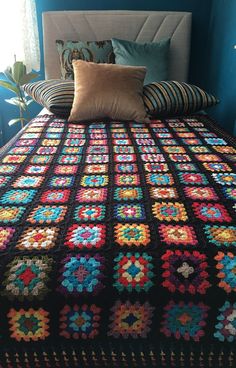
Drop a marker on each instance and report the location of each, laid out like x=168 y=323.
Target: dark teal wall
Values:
x=221 y=65
x=200 y=42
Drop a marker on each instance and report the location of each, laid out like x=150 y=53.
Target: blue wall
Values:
x=222 y=61
x=200 y=41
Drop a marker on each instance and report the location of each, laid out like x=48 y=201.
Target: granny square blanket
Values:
x=118 y=232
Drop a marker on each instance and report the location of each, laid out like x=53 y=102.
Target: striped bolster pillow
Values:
x=55 y=94
x=160 y=98
x=175 y=98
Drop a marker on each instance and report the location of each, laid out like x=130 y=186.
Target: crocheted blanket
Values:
x=118 y=232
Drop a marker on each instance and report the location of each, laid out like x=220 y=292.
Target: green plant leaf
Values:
x=18 y=71
x=27 y=78
x=14 y=121
x=8 y=74
x=13 y=101
x=17 y=102
x=9 y=86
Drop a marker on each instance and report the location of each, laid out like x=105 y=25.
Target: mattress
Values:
x=118 y=237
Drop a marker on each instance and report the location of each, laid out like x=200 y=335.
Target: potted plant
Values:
x=14 y=78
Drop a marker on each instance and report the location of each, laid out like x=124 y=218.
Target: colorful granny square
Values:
x=28 y=182
x=185 y=271
x=163 y=193
x=81 y=274
x=47 y=214
x=80 y=321
x=230 y=193
x=199 y=149
x=86 y=236
x=208 y=158
x=225 y=149
x=125 y=158
x=219 y=166
x=28 y=325
x=36 y=238
x=169 y=211
x=193 y=178
x=179 y=157
x=221 y=235
x=97 y=159
x=97 y=142
x=94 y=181
x=201 y=193
x=225 y=328
x=148 y=149
x=74 y=142
x=213 y=212
x=21 y=150
x=27 y=278
x=26 y=142
x=96 y=169
x=126 y=211
x=133 y=272
x=33 y=169
x=126 y=168
x=186 y=167
x=69 y=159
x=155 y=167
x=132 y=234
x=38 y=159
x=184 y=320
x=6 y=234
x=46 y=150
x=4 y=180
x=160 y=179
x=50 y=142
x=29 y=136
x=149 y=157
x=18 y=196
x=215 y=141
x=130 y=320
x=55 y=196
x=168 y=141
x=72 y=150
x=226 y=266
x=175 y=149
x=91 y=195
x=11 y=214
x=127 y=179
x=128 y=194
x=61 y=181
x=224 y=178
x=53 y=135
x=8 y=169
x=124 y=150
x=122 y=142
x=14 y=159
x=66 y=169
x=97 y=149
x=176 y=234
x=90 y=212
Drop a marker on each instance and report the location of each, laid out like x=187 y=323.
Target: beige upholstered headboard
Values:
x=140 y=26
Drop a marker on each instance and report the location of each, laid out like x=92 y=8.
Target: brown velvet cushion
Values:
x=108 y=91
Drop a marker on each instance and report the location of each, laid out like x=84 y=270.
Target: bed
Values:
x=118 y=240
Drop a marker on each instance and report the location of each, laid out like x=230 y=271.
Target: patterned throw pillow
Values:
x=95 y=51
x=175 y=98
x=55 y=94
x=160 y=98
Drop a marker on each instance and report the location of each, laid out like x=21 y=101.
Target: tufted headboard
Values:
x=140 y=26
